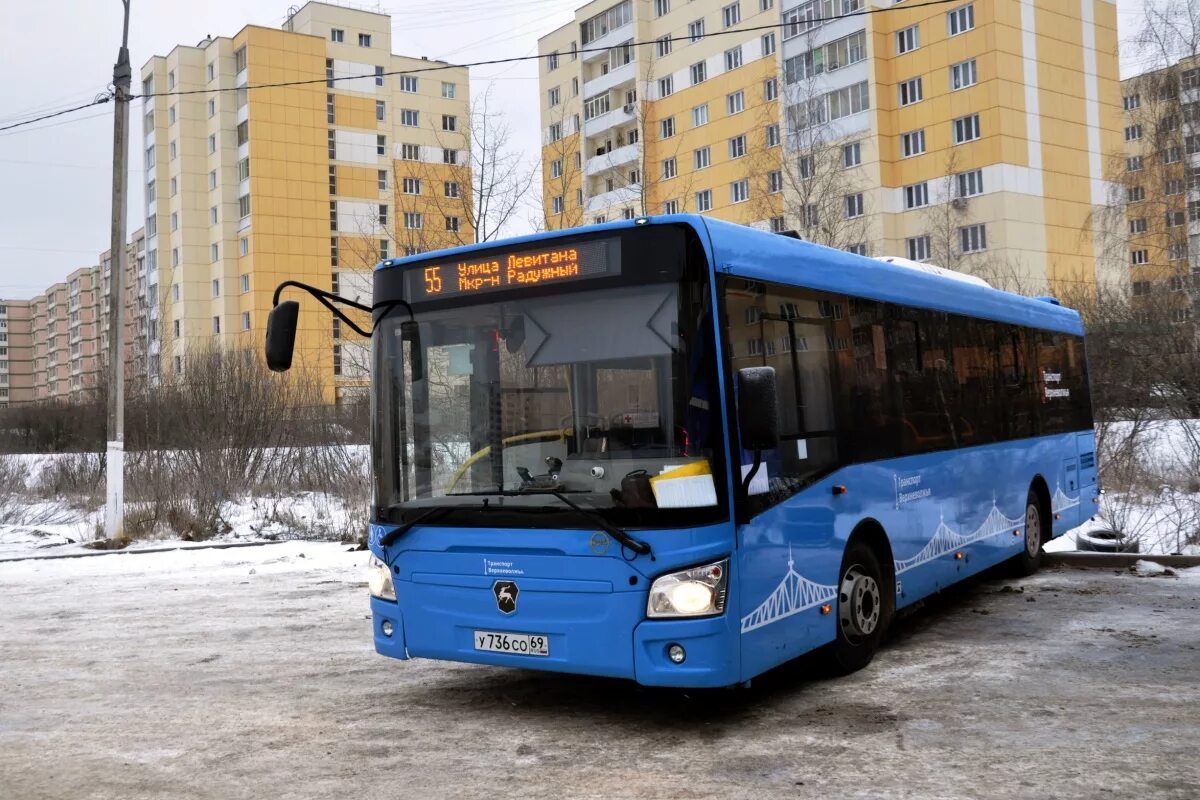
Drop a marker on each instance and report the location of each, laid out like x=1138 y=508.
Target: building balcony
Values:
x=610 y=80
x=622 y=115
x=610 y=39
x=613 y=158
x=625 y=196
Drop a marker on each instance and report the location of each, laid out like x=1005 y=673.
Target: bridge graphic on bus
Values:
x=794 y=594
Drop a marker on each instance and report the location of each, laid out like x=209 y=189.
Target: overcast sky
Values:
x=55 y=177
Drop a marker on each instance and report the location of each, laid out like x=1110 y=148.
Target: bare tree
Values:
x=562 y=172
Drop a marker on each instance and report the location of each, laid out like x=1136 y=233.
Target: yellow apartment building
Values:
x=306 y=153
x=972 y=135
x=1160 y=186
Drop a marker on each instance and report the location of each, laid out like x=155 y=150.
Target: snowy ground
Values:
x=249 y=672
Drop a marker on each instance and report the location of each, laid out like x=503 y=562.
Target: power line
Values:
x=96 y=102
x=539 y=56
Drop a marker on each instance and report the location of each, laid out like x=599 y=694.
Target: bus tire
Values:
x=865 y=605
x=1036 y=522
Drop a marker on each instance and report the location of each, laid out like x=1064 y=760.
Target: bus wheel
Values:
x=865 y=604
x=1030 y=558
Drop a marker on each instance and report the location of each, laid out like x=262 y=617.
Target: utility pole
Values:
x=114 y=507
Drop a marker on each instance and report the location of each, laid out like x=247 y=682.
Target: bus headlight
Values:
x=379 y=580
x=695 y=592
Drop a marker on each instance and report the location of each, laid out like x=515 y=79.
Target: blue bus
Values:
x=683 y=452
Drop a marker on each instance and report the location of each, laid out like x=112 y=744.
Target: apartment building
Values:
x=16 y=356
x=1160 y=186
x=969 y=135
x=294 y=154
x=54 y=346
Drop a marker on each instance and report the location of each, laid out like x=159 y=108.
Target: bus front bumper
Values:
x=599 y=643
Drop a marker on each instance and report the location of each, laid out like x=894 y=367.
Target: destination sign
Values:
x=521 y=269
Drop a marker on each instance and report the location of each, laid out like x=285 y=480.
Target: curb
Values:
x=144 y=551
x=1084 y=560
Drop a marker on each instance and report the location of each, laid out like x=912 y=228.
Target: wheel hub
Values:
x=859 y=604
x=1033 y=531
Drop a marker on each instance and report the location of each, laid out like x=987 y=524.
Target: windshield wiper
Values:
x=431 y=515
x=593 y=515
x=636 y=545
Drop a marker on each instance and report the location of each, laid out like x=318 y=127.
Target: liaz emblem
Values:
x=506 y=596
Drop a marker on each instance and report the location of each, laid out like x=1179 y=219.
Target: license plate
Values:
x=521 y=644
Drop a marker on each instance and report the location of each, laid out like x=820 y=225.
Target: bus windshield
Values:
x=589 y=388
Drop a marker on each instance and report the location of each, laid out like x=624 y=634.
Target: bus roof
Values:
x=758 y=255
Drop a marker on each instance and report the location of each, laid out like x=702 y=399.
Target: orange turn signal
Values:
x=826 y=608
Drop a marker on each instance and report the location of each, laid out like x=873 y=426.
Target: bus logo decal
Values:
x=506 y=596
x=794 y=594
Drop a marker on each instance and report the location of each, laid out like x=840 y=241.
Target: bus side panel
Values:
x=947 y=515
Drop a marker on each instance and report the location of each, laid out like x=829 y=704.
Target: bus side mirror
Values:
x=758 y=408
x=410 y=331
x=281 y=335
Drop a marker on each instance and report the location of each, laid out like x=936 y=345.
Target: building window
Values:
x=331 y=145
x=409 y=118
x=1176 y=218
x=851 y=155
x=330 y=110
x=1137 y=225
x=854 y=205
x=807 y=165
x=859 y=249
x=245 y=320
x=212 y=108
x=966 y=128
x=970 y=183
x=216 y=325
x=212 y=216
x=243 y=247
x=916 y=195
x=452 y=224
x=410 y=152
x=337 y=35
x=243 y=169
x=214 y=252
x=449 y=156
x=701 y=158
x=704 y=200
x=671 y=207
x=174 y=256
x=384 y=253
x=239 y=59
x=810 y=215
x=171 y=80
x=908 y=40
x=408 y=84
x=1131 y=101
x=739 y=191
x=554 y=96
x=666 y=128
x=413 y=220
x=172 y=150
x=381 y=145
x=449 y=90
x=381 y=112
x=243 y=133
x=364 y=40
x=411 y=185
x=1133 y=132
x=668 y=169
x=662 y=46
x=210 y=71
x=1135 y=194
x=1138 y=257
x=333 y=250
x=174 y=221
x=450 y=188
x=773 y=138
x=175 y=299
x=731 y=15
x=1172 y=155
x=963 y=75
x=666 y=86
x=698 y=72
x=912 y=143
x=733 y=58
x=216 y=287
x=737 y=146
x=973 y=238
x=383 y=215
x=379 y=76
x=910 y=92
x=661 y=7
x=960 y=20
x=775 y=181
x=173 y=185
x=556 y=204
x=700 y=116
x=917 y=248
x=735 y=103
x=768 y=44
x=695 y=31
